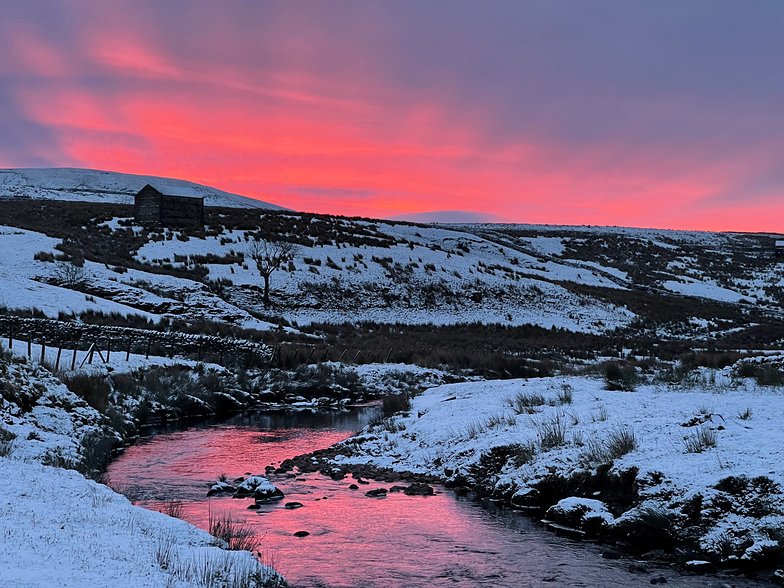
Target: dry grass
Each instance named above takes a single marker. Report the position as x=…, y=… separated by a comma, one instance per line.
x=703, y=438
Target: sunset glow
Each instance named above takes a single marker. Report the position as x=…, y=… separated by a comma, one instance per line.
x=611, y=113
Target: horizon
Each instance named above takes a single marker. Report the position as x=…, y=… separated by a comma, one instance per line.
x=617, y=114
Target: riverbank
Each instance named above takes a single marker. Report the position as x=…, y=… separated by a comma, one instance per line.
x=59, y=528
x=693, y=475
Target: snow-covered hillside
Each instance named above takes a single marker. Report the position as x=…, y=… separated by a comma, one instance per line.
x=671, y=284
x=88, y=185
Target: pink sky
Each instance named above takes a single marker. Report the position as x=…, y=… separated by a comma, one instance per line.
x=624, y=114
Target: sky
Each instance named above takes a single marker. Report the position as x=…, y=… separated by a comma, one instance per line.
x=612, y=112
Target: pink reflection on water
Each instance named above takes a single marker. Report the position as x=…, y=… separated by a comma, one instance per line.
x=356, y=540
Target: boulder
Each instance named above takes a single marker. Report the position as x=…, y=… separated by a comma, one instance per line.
x=293, y=505
x=221, y=487
x=583, y=514
x=301, y=534
x=698, y=566
x=377, y=493
x=418, y=489
x=260, y=488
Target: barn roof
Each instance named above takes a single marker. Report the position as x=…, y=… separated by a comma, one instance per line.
x=174, y=191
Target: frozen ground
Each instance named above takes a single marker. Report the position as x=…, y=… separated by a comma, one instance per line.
x=566, y=425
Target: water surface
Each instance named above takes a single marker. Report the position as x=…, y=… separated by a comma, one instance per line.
x=441, y=540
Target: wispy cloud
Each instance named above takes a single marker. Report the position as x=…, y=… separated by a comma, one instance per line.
x=626, y=112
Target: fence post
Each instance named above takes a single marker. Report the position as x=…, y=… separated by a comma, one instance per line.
x=128, y=349
x=73, y=358
x=29, y=346
x=57, y=361
x=147, y=354
x=340, y=359
x=108, y=350
x=10, y=337
x=307, y=361
x=389, y=354
x=43, y=350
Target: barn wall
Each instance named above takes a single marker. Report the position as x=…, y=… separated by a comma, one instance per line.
x=147, y=206
x=150, y=206
x=181, y=210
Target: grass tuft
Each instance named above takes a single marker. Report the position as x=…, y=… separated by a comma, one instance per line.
x=704, y=438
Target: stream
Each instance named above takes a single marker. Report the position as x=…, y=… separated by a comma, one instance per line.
x=441, y=540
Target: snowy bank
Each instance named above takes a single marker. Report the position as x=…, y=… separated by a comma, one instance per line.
x=84, y=534
x=706, y=465
x=60, y=529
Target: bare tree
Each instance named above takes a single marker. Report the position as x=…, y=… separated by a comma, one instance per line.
x=269, y=256
x=70, y=274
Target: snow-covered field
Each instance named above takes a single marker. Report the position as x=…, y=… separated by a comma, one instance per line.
x=705, y=440
x=58, y=528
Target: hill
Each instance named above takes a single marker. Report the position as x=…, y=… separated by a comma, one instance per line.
x=86, y=185
x=663, y=285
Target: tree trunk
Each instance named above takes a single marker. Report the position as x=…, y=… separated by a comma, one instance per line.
x=266, y=289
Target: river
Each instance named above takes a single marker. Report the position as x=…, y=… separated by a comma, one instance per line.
x=441, y=540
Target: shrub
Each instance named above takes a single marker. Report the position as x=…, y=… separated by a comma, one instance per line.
x=745, y=415
x=475, y=429
x=392, y=404
x=47, y=256
x=704, y=438
x=6, y=439
x=496, y=420
x=526, y=402
x=552, y=433
x=238, y=537
x=97, y=447
x=764, y=374
x=565, y=396
x=621, y=442
x=93, y=389
x=173, y=508
x=620, y=376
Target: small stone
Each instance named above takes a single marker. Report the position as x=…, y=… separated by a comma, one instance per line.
x=777, y=577
x=611, y=554
x=254, y=506
x=353, y=487
x=301, y=534
x=293, y=505
x=659, y=580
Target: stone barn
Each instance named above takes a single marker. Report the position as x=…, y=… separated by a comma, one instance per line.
x=779, y=247
x=151, y=206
